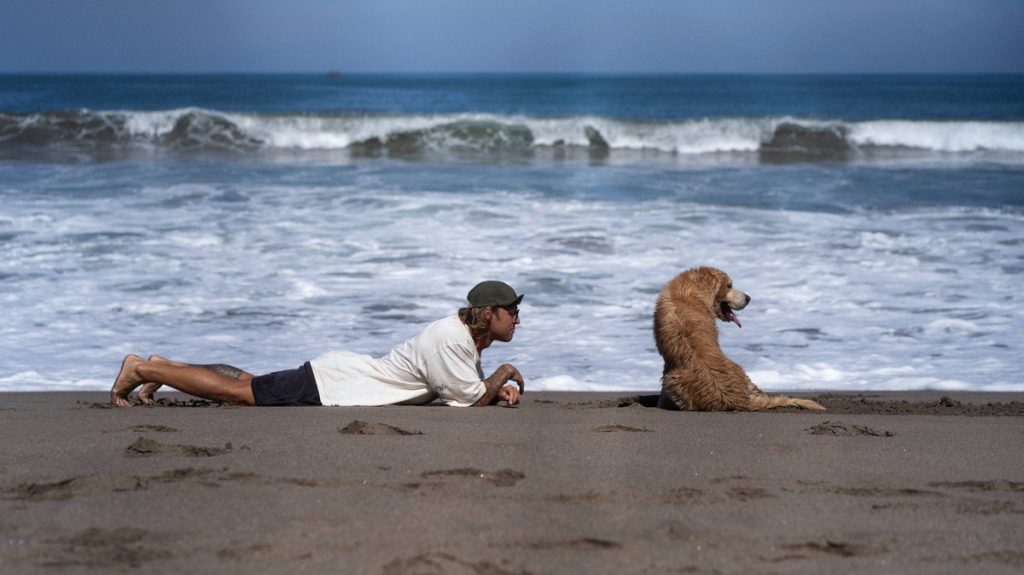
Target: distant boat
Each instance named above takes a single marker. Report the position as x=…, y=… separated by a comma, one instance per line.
x=334, y=73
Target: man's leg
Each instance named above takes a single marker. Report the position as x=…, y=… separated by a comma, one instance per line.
x=148, y=389
x=197, y=381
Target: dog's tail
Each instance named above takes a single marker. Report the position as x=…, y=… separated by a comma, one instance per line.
x=764, y=401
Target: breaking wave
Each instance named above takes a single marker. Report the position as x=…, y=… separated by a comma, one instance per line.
x=781, y=138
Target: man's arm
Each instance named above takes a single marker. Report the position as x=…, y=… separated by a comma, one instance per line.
x=495, y=385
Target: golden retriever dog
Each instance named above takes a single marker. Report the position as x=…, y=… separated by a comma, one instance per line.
x=697, y=374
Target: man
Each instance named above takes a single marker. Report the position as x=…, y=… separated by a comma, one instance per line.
x=442, y=362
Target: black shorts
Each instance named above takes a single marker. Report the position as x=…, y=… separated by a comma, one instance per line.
x=288, y=387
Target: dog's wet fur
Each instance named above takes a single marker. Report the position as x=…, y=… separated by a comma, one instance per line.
x=697, y=374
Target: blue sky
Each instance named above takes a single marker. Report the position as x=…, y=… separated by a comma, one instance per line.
x=640, y=36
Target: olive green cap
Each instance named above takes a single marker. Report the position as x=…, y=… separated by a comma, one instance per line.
x=493, y=292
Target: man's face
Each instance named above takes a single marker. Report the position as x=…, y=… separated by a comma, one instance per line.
x=503, y=322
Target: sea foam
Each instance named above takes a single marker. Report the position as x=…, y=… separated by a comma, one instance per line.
x=941, y=136
x=400, y=135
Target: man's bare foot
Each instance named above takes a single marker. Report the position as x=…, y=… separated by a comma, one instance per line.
x=146, y=393
x=127, y=380
x=149, y=388
x=165, y=361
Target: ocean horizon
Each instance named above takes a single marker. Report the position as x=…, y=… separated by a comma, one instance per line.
x=260, y=220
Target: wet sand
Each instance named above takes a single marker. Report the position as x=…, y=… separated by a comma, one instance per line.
x=922, y=482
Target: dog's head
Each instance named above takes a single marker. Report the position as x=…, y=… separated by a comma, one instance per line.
x=716, y=285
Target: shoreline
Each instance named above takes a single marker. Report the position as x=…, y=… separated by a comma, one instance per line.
x=569, y=482
x=861, y=402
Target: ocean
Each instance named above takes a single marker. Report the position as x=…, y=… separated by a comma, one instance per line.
x=877, y=222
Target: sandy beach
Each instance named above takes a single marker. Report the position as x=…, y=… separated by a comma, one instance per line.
x=921, y=482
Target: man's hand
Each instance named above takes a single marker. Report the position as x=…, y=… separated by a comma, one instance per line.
x=498, y=391
x=509, y=394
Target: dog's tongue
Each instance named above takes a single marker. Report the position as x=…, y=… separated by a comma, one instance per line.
x=728, y=314
x=733, y=318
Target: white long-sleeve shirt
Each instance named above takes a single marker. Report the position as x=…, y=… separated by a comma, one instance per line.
x=441, y=362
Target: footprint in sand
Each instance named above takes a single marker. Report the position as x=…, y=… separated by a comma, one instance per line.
x=981, y=486
x=154, y=428
x=582, y=544
x=839, y=428
x=74, y=486
x=105, y=484
x=811, y=549
x=626, y=428
x=436, y=562
x=501, y=478
x=364, y=428
x=103, y=549
x=144, y=447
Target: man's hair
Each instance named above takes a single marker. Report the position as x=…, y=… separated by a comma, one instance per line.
x=475, y=320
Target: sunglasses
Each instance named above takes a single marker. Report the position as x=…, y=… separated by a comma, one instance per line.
x=511, y=309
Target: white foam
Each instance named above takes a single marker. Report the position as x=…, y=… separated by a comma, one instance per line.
x=940, y=136
x=946, y=326
x=681, y=137
x=360, y=259
x=197, y=241
x=684, y=137
x=32, y=380
x=156, y=123
x=821, y=372
x=562, y=382
x=302, y=290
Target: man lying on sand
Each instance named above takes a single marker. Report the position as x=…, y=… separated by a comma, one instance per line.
x=443, y=361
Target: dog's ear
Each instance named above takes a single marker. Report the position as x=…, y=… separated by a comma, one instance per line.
x=724, y=283
x=705, y=285
x=717, y=282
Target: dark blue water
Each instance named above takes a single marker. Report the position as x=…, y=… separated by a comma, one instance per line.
x=857, y=97
x=520, y=118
